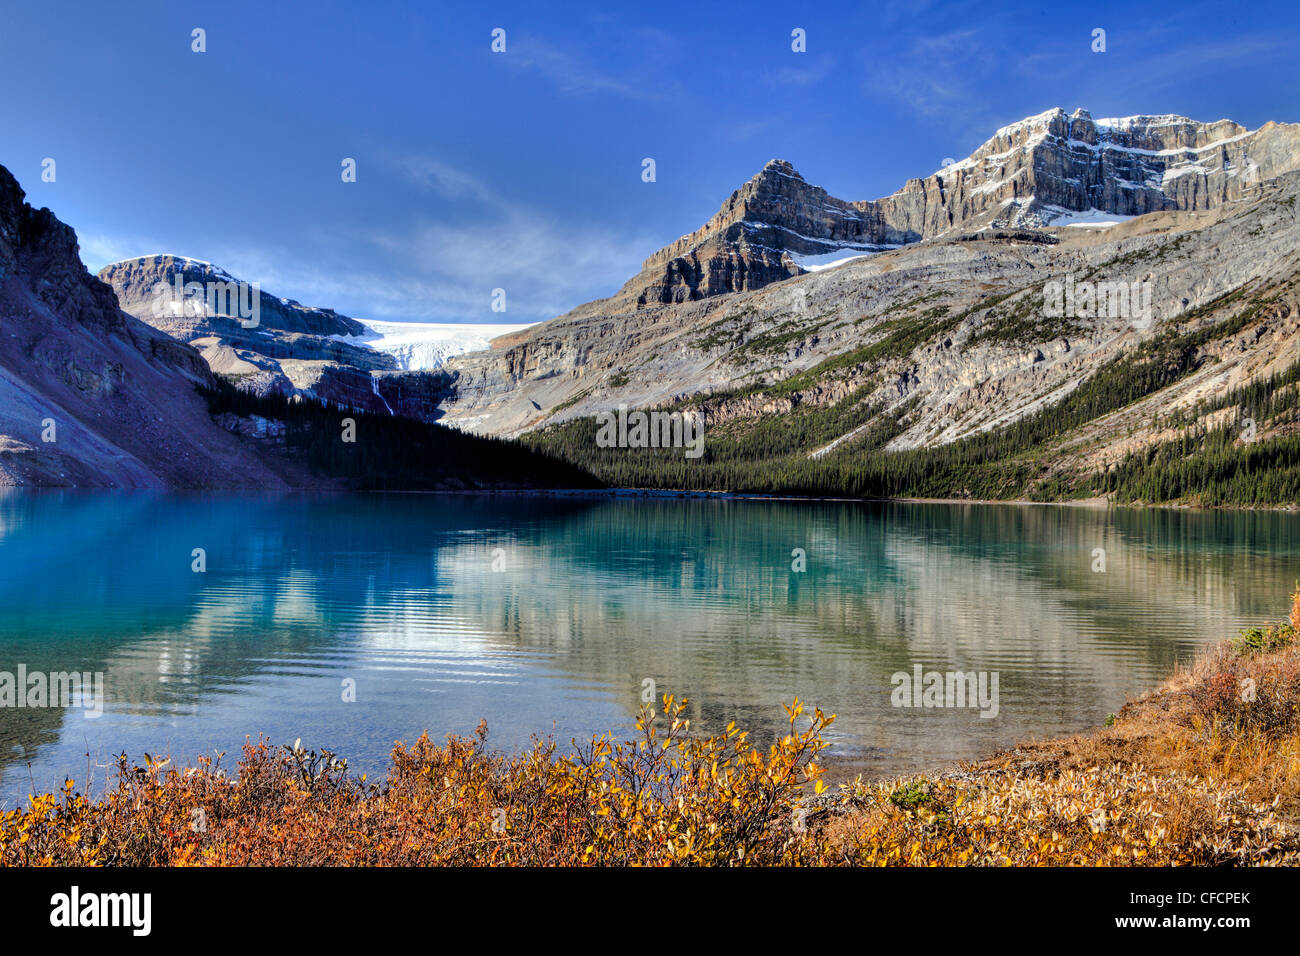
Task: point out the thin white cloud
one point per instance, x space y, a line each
98 250
738 131
811 71
933 74
572 75
446 180
545 267
947 75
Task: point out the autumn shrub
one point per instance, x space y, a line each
665 797
1204 771
1272 637
1253 683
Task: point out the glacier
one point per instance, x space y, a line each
419 346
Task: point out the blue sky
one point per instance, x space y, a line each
522 170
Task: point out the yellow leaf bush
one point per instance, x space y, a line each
664 798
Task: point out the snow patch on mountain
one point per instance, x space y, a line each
835 257
1028 212
1087 219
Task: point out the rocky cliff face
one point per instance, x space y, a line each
754 239
1041 169
1032 173
416 395
89 396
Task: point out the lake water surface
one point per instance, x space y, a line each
546 616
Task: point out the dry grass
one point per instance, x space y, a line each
1203 771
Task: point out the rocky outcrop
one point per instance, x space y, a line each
415 394
1039 170
90 396
214 316
751 239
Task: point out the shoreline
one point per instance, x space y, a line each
1091 504
1088 504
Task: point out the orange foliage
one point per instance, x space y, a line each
665 798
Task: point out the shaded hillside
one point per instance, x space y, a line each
89 396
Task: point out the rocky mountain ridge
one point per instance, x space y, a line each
920 316
291 350
1031 173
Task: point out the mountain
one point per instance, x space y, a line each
89 396
946 340
136 281
1029 174
292 349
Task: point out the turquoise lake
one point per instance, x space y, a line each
546 616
